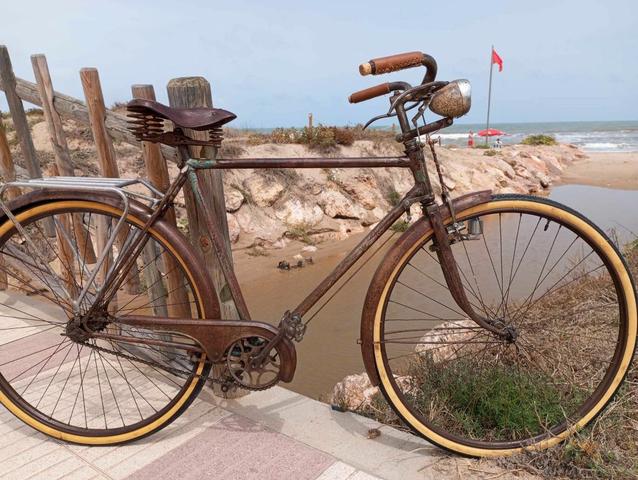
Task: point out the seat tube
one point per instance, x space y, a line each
219 246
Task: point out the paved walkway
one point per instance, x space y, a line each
272 434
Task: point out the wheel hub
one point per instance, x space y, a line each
81 328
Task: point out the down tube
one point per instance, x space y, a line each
345 264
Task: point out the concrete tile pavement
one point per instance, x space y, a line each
207 441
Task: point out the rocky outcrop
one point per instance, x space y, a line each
316 205
270 207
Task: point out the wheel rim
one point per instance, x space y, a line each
450 381
113 398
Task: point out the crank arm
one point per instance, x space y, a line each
451 272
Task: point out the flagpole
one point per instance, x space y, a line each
489 97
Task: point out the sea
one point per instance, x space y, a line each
617 136
609 136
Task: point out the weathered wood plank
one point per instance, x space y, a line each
105 152
189 92
18 115
7 168
51 116
74 109
63 162
157 173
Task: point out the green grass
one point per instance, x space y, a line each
300 232
488 403
539 140
400 226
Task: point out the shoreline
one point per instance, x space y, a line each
617 170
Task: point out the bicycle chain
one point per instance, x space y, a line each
173 370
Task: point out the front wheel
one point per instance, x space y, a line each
540 269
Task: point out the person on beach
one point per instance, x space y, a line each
470 140
498 143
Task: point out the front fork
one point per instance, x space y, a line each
449 267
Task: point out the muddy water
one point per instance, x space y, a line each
330 350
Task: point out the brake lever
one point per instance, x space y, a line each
387 115
379 117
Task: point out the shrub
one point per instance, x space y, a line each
318 138
539 140
400 226
490 152
343 136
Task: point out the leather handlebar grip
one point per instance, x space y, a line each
392 63
369 93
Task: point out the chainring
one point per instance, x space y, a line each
241 368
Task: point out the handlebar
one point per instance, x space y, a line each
393 63
377 91
368 93
401 61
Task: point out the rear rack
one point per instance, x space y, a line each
99 184
92 184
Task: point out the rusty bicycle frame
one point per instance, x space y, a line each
216 334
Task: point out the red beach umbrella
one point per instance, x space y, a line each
490 132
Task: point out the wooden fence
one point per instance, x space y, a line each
107 126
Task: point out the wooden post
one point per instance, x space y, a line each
189 92
7 168
157 173
54 122
310 122
63 231
106 156
97 114
17 113
58 140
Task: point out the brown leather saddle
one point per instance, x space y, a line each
148 123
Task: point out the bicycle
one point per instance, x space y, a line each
494 324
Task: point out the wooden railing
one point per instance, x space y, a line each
107 126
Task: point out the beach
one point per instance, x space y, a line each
608 169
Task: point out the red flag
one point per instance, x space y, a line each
497 60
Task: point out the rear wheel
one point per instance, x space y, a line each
85 390
549 275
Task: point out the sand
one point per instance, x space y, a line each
611 170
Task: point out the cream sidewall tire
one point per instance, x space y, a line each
188 392
586 230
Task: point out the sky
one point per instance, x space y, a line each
272 62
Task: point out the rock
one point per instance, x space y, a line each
545 182
281 243
234 199
336 205
521 171
296 211
258 223
283 265
435 338
354 392
41 137
263 191
309 249
233 227
298 258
